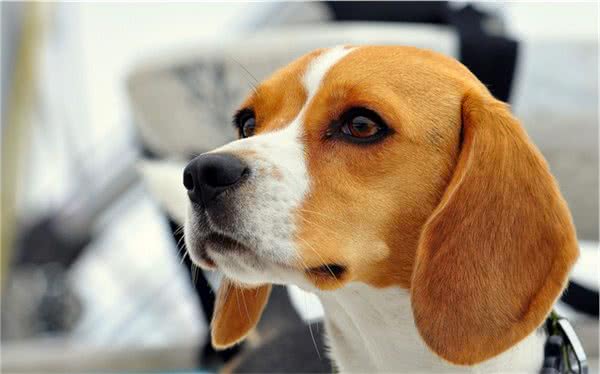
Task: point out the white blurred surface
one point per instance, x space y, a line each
91 49
134 291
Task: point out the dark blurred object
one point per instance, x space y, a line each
38 300
49 241
299 349
492 58
484 47
581 298
390 11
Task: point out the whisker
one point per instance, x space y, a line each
322 259
185 254
253 84
178 230
324 264
306 308
317 225
179 245
246 308
237 298
310 330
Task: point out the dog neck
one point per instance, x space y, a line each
372 330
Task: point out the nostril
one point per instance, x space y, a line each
188 181
245 173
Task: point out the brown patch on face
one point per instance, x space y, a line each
368 202
474 226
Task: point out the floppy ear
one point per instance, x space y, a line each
495 254
237 311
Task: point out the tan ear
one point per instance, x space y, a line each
495 254
237 311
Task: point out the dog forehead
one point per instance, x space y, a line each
320 66
402 69
279 99
279 105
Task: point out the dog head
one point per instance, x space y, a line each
391 166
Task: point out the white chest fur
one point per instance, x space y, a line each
371 330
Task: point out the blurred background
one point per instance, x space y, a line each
102 104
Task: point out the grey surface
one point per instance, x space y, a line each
183 101
556 98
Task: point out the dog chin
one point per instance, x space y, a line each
249 269
235 261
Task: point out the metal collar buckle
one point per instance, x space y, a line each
563 352
574 349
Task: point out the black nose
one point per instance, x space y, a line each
206 176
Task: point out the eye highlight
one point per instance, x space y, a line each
358 125
245 122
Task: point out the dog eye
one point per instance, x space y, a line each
245 121
359 125
247 127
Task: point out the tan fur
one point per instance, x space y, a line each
367 204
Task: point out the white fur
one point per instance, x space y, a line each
318 68
277 186
371 330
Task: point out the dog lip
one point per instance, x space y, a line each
224 243
204 259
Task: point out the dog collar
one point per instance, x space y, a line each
563 352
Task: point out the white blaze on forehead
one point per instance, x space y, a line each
268 213
318 68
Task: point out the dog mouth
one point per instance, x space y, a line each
225 243
217 251
218 243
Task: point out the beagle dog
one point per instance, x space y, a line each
389 182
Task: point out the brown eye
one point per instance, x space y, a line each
247 128
358 125
245 122
361 127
